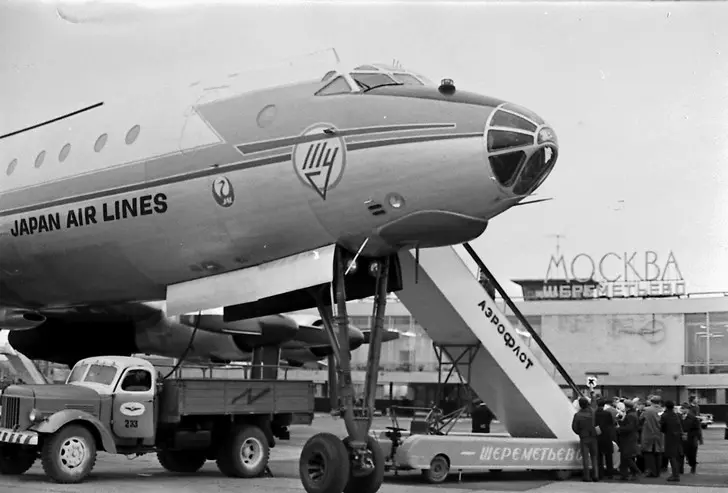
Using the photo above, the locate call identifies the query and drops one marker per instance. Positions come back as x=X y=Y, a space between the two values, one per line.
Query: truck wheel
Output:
x=245 y=453
x=69 y=454
x=371 y=482
x=181 y=461
x=324 y=464
x=14 y=460
x=438 y=471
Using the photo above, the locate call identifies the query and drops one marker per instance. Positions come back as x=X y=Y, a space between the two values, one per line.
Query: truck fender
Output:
x=60 y=419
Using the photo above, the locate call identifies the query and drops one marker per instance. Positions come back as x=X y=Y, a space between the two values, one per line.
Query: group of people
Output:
x=649 y=437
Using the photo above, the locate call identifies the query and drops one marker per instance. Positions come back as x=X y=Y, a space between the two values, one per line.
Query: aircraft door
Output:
x=133 y=405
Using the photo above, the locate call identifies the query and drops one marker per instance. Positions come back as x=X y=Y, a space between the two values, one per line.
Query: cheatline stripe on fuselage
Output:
x=226 y=168
x=266 y=145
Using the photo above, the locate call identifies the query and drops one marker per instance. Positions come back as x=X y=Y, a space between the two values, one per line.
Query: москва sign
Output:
x=618 y=275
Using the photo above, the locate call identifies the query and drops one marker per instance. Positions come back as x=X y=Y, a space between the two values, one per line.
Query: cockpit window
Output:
x=505 y=166
x=505 y=119
x=103 y=374
x=337 y=86
x=502 y=139
x=408 y=79
x=535 y=171
x=328 y=75
x=523 y=111
x=367 y=81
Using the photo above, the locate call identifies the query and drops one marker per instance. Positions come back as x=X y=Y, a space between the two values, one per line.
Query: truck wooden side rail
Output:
x=188 y=397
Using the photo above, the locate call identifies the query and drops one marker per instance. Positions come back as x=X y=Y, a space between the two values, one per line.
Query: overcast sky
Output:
x=637 y=93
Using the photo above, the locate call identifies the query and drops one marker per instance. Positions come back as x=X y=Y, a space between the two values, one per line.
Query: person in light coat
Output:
x=628 y=443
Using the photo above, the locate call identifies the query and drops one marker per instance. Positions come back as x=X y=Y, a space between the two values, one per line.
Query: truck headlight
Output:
x=35 y=416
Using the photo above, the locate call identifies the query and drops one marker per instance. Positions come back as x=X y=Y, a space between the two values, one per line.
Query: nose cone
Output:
x=522 y=148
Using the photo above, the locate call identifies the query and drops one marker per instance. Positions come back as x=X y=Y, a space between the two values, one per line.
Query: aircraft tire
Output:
x=69 y=455
x=14 y=461
x=371 y=482
x=324 y=464
x=244 y=454
x=438 y=471
x=181 y=461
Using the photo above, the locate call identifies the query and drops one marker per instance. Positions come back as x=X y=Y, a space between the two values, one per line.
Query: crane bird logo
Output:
x=222 y=192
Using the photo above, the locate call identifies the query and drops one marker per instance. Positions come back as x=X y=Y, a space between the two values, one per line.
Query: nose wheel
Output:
x=356 y=464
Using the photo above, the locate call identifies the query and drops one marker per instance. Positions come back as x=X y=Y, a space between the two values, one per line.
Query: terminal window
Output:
x=706 y=343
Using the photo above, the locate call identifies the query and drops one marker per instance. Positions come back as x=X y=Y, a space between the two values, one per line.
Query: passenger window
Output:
x=137 y=381
x=337 y=86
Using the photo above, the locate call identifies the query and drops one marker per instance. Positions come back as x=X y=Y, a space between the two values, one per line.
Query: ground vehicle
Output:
x=431 y=446
x=705 y=420
x=121 y=405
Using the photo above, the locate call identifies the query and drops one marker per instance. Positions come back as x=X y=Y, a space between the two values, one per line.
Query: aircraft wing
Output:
x=312 y=336
x=122 y=312
x=389 y=335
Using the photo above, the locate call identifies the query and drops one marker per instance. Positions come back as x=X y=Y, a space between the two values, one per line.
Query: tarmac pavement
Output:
x=117 y=474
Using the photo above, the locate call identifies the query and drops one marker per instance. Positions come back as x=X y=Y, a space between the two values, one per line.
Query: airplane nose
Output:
x=522 y=148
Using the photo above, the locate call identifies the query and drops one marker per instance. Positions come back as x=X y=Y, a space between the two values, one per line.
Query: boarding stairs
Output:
x=465 y=323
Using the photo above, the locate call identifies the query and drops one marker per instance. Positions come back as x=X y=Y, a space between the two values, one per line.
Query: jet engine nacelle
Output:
x=65 y=342
x=19 y=319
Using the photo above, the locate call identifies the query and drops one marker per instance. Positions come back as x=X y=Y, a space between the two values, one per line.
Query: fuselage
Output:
x=119 y=201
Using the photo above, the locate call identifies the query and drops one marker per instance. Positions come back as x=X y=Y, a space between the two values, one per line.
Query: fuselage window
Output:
x=64 y=152
x=100 y=142
x=11 y=167
x=336 y=86
x=39 y=159
x=132 y=134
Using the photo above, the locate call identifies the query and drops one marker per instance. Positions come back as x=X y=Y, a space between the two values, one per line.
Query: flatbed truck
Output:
x=121 y=405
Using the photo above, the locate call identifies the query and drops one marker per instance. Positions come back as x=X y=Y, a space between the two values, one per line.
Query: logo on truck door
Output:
x=132 y=409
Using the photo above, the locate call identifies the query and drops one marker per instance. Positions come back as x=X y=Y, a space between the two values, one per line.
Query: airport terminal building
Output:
x=635 y=346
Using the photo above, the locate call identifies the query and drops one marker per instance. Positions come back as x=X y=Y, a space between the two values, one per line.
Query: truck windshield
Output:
x=77 y=373
x=103 y=374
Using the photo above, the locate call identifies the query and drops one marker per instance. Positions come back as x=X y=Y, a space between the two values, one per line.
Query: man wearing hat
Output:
x=652 y=439
x=481 y=417
x=583 y=425
x=692 y=435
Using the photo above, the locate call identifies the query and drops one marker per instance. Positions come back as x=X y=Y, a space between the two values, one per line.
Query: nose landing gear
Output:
x=356 y=464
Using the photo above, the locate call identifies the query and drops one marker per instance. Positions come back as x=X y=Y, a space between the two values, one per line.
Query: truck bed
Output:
x=200 y=396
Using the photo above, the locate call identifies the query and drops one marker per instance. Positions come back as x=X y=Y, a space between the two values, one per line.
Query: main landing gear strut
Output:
x=355 y=464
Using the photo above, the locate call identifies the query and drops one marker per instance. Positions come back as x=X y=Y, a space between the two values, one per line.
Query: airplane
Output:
x=266 y=200
x=301 y=339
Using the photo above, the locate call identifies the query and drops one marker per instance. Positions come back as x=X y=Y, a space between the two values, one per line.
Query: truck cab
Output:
x=126 y=388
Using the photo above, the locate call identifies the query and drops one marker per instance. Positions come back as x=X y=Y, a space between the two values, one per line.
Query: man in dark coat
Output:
x=651 y=438
x=671 y=426
x=606 y=422
x=692 y=436
x=481 y=417
x=583 y=425
x=628 y=442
